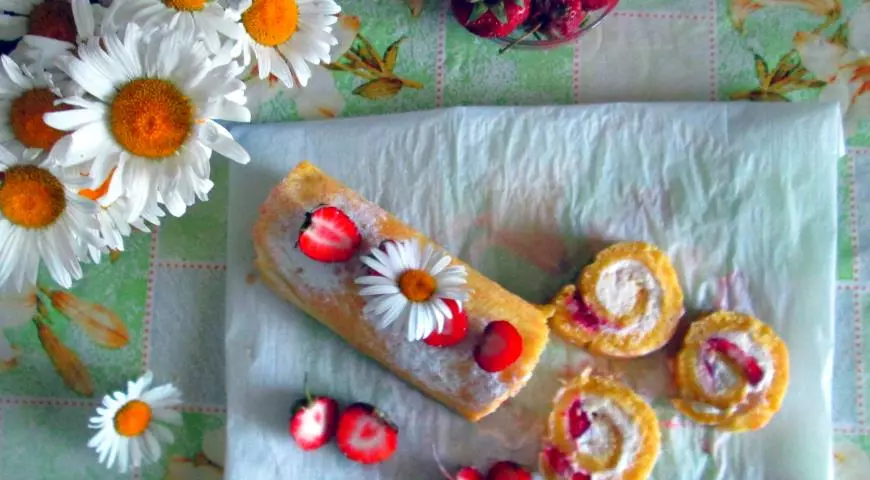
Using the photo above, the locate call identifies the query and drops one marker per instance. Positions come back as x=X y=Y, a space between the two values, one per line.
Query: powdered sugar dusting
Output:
x=316 y=277
x=450 y=370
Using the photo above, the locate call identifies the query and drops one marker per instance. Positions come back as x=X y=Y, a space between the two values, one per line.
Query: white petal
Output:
x=411 y=327
x=821 y=57
x=377 y=266
x=136 y=452
x=84 y=18
x=12 y=28
x=168 y=416
x=369 y=280
x=123 y=454
x=395 y=258
x=86 y=74
x=231 y=112
x=218 y=138
x=440 y=265
x=390 y=289
x=69 y=120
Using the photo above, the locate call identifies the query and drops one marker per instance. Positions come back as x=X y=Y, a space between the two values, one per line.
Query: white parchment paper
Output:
x=741 y=196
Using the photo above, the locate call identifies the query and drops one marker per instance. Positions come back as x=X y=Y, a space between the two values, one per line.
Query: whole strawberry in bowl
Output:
x=555 y=22
x=491 y=18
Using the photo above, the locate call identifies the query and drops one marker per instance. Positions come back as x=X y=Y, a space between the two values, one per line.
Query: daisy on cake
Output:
x=412 y=284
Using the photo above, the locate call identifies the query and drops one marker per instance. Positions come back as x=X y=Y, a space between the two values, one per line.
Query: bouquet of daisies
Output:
x=109 y=115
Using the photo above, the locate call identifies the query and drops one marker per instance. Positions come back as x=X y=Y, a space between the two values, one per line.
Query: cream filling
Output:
x=617 y=290
x=601 y=439
x=725 y=376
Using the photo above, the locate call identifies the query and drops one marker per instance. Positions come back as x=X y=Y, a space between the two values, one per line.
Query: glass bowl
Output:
x=543 y=41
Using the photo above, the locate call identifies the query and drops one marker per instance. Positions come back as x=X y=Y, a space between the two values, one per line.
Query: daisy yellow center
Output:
x=185 y=5
x=53 y=19
x=133 y=418
x=271 y=22
x=99 y=192
x=31 y=197
x=151 y=118
x=25 y=117
x=417 y=285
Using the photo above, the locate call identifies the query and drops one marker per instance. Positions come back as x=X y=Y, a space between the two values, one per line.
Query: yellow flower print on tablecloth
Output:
x=739 y=10
x=15 y=309
x=45 y=307
x=850 y=462
x=207 y=464
x=321 y=98
x=842 y=62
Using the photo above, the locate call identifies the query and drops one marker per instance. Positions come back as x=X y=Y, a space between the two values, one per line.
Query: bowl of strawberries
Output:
x=531 y=23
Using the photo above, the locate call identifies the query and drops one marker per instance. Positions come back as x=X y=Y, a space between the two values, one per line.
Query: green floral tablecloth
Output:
x=159 y=305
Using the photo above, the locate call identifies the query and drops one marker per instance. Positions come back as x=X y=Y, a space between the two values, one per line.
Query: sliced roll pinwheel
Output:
x=627 y=303
x=599 y=429
x=731 y=372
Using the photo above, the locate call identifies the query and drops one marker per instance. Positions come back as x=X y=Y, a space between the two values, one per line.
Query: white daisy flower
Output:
x=285 y=36
x=152 y=121
x=46 y=18
x=43 y=50
x=114 y=225
x=133 y=425
x=411 y=285
x=42 y=219
x=205 y=17
x=25 y=96
x=321 y=98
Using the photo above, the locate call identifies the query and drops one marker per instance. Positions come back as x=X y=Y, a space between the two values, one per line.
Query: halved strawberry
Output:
x=365 y=435
x=578 y=420
x=468 y=473
x=313 y=421
x=590 y=5
x=560 y=464
x=328 y=235
x=582 y=314
x=507 y=470
x=499 y=347
x=747 y=363
x=455 y=328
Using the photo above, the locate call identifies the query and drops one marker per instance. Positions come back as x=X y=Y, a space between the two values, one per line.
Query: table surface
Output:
x=167 y=288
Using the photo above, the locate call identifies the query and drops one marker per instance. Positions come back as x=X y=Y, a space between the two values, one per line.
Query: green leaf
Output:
x=841 y=35
x=761 y=71
x=759 y=96
x=332 y=66
x=391 y=55
x=786 y=67
x=379 y=89
x=480 y=10
x=499 y=12
x=369 y=55
x=520 y=3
